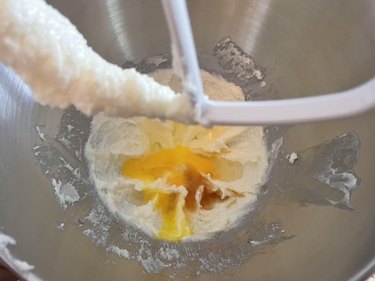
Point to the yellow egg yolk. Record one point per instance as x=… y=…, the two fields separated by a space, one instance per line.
x=181 y=167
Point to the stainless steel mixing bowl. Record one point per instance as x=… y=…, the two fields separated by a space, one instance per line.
x=305 y=47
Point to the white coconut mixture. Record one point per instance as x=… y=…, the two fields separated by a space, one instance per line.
x=50 y=54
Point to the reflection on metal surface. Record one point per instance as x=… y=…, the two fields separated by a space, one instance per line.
x=117 y=22
x=332 y=163
x=323 y=174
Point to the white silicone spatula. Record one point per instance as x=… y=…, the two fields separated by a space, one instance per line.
x=297 y=110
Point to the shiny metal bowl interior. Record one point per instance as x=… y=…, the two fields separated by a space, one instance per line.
x=305 y=47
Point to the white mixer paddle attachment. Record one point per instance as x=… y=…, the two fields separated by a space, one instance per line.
x=207 y=112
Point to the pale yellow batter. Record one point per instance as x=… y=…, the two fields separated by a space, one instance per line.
x=174 y=181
